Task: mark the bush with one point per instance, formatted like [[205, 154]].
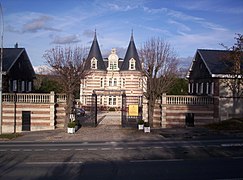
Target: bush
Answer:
[[71, 124], [112, 109], [141, 121]]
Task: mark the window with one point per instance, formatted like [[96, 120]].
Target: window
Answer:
[[113, 60], [207, 88], [110, 81], [112, 100], [189, 88], [212, 87], [123, 82], [22, 86], [15, 85], [29, 86], [101, 82], [201, 88], [94, 63], [192, 89], [132, 64], [196, 87], [114, 82]]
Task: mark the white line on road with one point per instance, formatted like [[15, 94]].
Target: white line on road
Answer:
[[38, 149], [118, 148], [27, 150], [155, 160], [3, 150], [65, 149], [92, 149], [52, 149], [47, 163], [131, 148], [15, 150], [79, 149], [105, 149], [232, 144]]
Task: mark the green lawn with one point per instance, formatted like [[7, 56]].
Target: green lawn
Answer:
[[9, 136], [231, 124]]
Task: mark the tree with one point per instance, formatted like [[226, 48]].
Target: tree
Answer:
[[68, 65], [47, 83], [234, 64], [160, 68]]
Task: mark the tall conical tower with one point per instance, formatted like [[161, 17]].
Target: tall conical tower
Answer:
[[94, 59], [131, 56]]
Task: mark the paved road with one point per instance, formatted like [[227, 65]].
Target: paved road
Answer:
[[197, 159]]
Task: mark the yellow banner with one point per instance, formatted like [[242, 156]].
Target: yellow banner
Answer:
[[133, 110]]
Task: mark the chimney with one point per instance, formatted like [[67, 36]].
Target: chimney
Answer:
[[16, 45]]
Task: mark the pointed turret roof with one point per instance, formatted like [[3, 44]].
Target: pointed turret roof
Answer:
[[131, 53], [95, 52]]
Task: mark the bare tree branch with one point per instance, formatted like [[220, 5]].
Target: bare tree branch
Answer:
[[160, 67], [68, 65]]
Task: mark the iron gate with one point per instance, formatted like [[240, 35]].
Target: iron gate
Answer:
[[132, 110], [90, 107]]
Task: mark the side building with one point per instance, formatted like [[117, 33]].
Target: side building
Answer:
[[110, 77]]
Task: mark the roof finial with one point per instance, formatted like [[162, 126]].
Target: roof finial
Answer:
[[95, 37], [132, 35]]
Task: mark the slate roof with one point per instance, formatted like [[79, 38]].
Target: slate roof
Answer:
[[131, 53], [216, 61], [95, 52], [11, 55]]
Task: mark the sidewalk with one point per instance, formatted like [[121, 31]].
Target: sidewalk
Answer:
[[117, 133]]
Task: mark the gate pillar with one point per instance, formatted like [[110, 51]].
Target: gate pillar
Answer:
[[94, 107]]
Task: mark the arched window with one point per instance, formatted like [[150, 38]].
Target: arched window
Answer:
[[113, 60], [93, 63], [132, 64]]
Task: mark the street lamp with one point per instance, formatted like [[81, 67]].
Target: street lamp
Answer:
[[1, 68]]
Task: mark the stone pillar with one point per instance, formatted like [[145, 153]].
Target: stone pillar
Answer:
[[52, 110], [163, 111]]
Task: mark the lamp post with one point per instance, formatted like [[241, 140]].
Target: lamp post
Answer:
[[1, 69]]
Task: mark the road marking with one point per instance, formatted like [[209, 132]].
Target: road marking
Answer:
[[38, 149], [46, 163], [3, 150], [105, 149], [15, 150], [232, 144], [157, 147], [52, 149], [118, 148], [155, 160], [237, 157], [27, 150], [65, 149], [131, 148], [79, 149], [92, 149]]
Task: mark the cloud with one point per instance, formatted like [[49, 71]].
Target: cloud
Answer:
[[40, 23], [181, 27], [88, 33], [66, 39], [180, 16]]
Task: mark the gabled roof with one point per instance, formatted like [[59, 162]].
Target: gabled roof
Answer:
[[11, 55], [216, 61], [131, 53], [95, 52]]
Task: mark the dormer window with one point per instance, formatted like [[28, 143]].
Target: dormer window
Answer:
[[93, 63], [132, 63], [113, 60]]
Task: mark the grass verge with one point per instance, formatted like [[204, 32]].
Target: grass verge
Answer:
[[230, 124], [9, 136]]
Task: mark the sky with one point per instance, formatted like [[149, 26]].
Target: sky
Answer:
[[187, 25]]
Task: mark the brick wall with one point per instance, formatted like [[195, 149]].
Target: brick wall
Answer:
[[171, 111], [46, 111]]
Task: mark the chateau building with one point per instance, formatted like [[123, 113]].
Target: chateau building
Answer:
[[110, 77]]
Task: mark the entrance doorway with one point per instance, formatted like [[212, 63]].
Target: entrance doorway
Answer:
[[26, 119]]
